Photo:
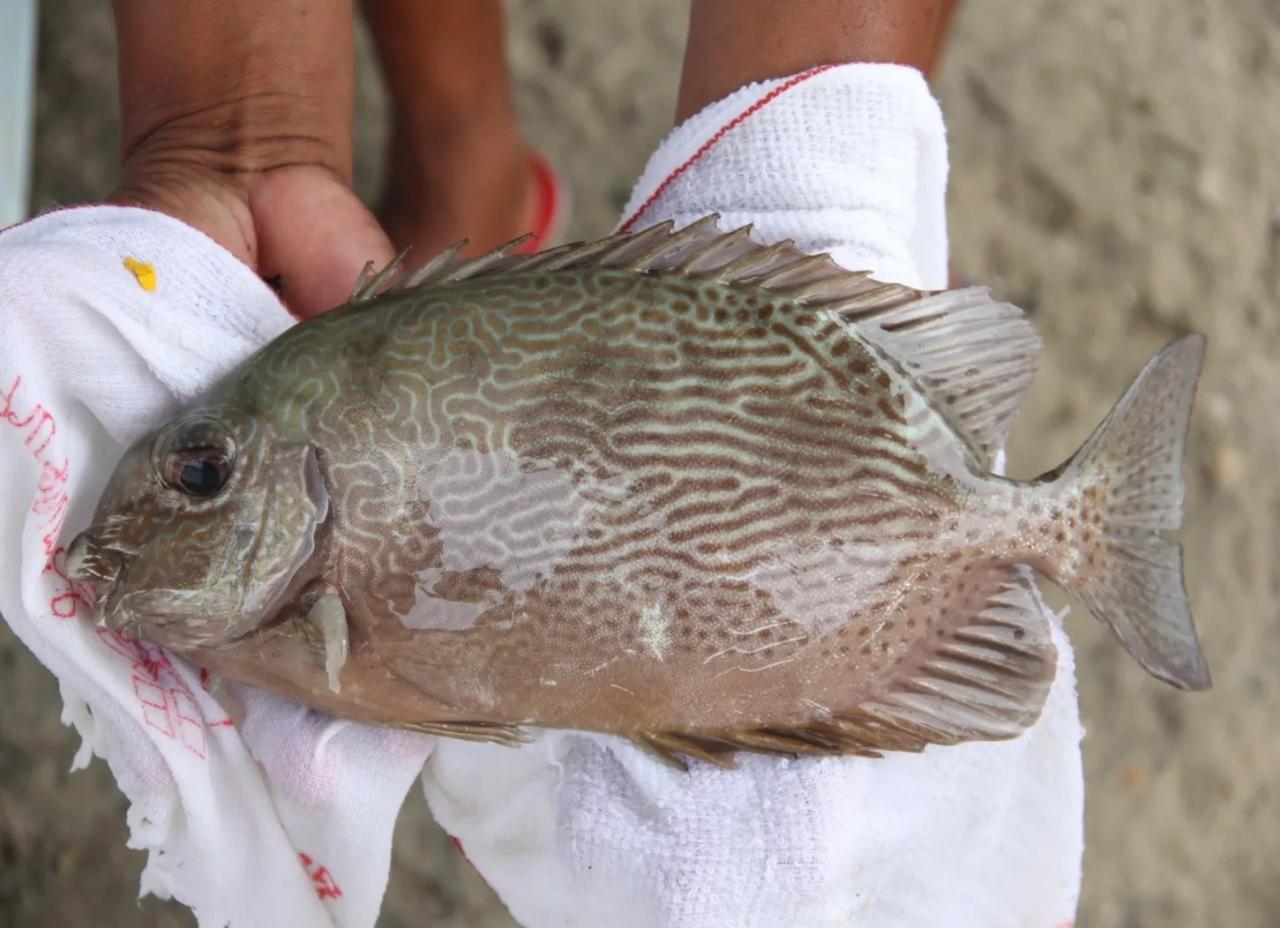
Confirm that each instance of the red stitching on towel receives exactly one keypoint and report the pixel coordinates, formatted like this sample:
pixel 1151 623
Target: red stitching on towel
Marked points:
pixel 326 888
pixel 721 133
pixel 463 852
pixel 72 594
pixel 39 428
pixel 165 703
pixel 204 685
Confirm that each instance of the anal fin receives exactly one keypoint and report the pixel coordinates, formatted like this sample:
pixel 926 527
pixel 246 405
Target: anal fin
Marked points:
pixel 986 681
pixel 507 735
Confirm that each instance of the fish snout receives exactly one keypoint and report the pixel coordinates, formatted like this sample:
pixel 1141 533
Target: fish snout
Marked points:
pixel 86 559
pixel 78 557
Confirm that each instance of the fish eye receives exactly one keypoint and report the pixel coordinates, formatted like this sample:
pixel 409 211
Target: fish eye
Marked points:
pixel 195 457
pixel 199 472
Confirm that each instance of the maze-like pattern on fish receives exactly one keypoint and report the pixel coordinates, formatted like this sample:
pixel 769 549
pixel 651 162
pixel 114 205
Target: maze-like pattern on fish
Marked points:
pixel 608 469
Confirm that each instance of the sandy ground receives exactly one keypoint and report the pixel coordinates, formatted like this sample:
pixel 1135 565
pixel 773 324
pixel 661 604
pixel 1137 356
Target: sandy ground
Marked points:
pixel 1113 172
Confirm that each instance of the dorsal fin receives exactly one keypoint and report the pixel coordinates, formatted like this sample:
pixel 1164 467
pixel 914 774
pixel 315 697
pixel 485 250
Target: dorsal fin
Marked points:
pixel 988 681
pixel 699 250
pixel 972 357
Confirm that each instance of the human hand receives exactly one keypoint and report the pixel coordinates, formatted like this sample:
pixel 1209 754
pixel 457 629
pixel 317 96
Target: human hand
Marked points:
pixel 236 119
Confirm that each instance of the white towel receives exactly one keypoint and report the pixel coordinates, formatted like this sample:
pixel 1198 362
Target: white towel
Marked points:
pixel 286 818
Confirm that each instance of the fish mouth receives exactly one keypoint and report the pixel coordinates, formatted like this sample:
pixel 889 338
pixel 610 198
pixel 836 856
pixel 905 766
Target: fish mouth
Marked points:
pixel 89 558
pixel 113 612
pixel 174 619
pixel 135 614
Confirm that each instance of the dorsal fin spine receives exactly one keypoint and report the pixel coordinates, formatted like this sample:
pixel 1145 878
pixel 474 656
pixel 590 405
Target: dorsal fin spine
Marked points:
pixel 696 262
pixel 740 268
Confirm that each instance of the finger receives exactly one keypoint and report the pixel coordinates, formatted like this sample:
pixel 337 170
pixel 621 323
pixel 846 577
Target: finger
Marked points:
pixel 314 236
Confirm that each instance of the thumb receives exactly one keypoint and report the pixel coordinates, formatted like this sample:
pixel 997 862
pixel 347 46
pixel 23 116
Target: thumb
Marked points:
pixel 314 235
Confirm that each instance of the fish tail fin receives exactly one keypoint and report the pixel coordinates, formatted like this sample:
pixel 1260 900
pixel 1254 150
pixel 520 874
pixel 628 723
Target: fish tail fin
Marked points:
pixel 1129 483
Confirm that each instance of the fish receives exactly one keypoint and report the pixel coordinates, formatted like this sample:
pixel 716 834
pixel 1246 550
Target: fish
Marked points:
pixel 675 485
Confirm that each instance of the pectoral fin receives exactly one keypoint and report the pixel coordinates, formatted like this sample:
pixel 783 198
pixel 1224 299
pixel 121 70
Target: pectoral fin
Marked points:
pixel 329 617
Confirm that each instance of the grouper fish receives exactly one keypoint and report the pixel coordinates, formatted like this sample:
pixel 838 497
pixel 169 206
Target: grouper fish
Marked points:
pixel 674 485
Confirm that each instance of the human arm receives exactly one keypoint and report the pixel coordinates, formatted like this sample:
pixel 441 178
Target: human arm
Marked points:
pixel 733 43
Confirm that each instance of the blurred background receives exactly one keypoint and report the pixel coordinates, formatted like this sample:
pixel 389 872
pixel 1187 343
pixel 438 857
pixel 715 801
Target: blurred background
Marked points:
pixel 1114 171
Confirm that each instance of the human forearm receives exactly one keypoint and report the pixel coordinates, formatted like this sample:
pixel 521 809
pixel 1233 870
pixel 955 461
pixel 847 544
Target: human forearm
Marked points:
pixel 236 86
pixel 735 42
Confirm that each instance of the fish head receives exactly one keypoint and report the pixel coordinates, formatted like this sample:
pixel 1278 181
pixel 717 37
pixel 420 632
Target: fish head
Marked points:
pixel 207 529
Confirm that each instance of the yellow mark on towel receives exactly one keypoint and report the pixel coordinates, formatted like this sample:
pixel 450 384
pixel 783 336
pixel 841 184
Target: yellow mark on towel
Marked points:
pixel 146 273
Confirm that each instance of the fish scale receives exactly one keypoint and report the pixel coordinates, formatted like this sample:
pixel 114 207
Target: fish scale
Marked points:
pixel 674 485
